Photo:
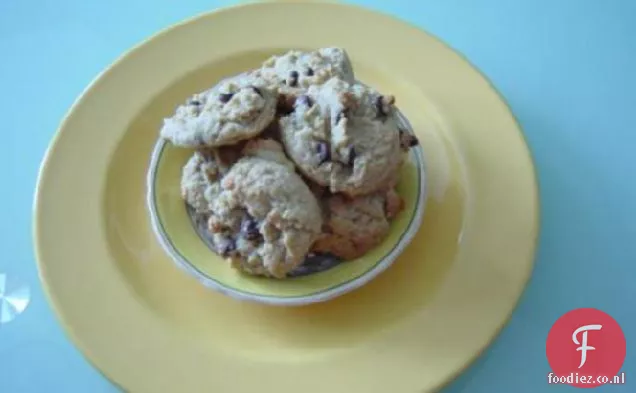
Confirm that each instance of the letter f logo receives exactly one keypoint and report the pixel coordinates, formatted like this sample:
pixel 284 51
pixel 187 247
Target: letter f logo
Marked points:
pixel 575 330
pixel 583 344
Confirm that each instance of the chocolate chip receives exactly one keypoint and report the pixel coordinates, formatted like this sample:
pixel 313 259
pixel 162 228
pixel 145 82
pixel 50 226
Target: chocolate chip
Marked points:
pixel 351 156
pixel 322 148
pixel 407 140
pixel 249 229
pixel 285 104
pixel 225 97
pixel 257 90
pixel 383 102
pixel 227 247
pixel 309 72
pixel 379 106
pixel 304 100
pixel 293 79
pixel 194 102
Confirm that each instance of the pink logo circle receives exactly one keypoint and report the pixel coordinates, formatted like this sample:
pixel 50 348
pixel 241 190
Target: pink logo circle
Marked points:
pixel 585 348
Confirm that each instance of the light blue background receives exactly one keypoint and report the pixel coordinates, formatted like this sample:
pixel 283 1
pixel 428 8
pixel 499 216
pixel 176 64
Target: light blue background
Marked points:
pixel 567 68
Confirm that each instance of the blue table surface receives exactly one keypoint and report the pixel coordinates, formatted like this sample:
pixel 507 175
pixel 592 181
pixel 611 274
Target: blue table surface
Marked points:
pixel 566 67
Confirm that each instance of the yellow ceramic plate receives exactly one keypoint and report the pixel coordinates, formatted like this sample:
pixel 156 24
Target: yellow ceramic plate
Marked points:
pixel 152 328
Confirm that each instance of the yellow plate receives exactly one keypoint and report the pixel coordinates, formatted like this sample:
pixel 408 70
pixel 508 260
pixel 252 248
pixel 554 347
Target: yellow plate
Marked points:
pixel 151 328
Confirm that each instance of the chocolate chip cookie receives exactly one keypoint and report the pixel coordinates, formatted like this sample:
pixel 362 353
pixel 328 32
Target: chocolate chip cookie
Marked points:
pixel 344 136
pixel 297 70
pixel 293 159
pixel 265 218
pixel 236 109
pixel 355 226
pixel 201 175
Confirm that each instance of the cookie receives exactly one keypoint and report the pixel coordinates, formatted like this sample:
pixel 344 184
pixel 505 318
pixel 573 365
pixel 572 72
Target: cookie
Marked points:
pixel 355 226
pixel 296 70
pixel 201 175
pixel 269 150
pixel 345 137
pixel 305 134
pixel 236 109
pixel 265 219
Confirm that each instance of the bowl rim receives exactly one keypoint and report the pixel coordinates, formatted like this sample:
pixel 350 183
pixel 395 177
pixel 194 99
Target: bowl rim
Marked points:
pixel 272 300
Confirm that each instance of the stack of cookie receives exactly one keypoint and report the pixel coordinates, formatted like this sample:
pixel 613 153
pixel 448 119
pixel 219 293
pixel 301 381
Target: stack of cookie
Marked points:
pixel 291 159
